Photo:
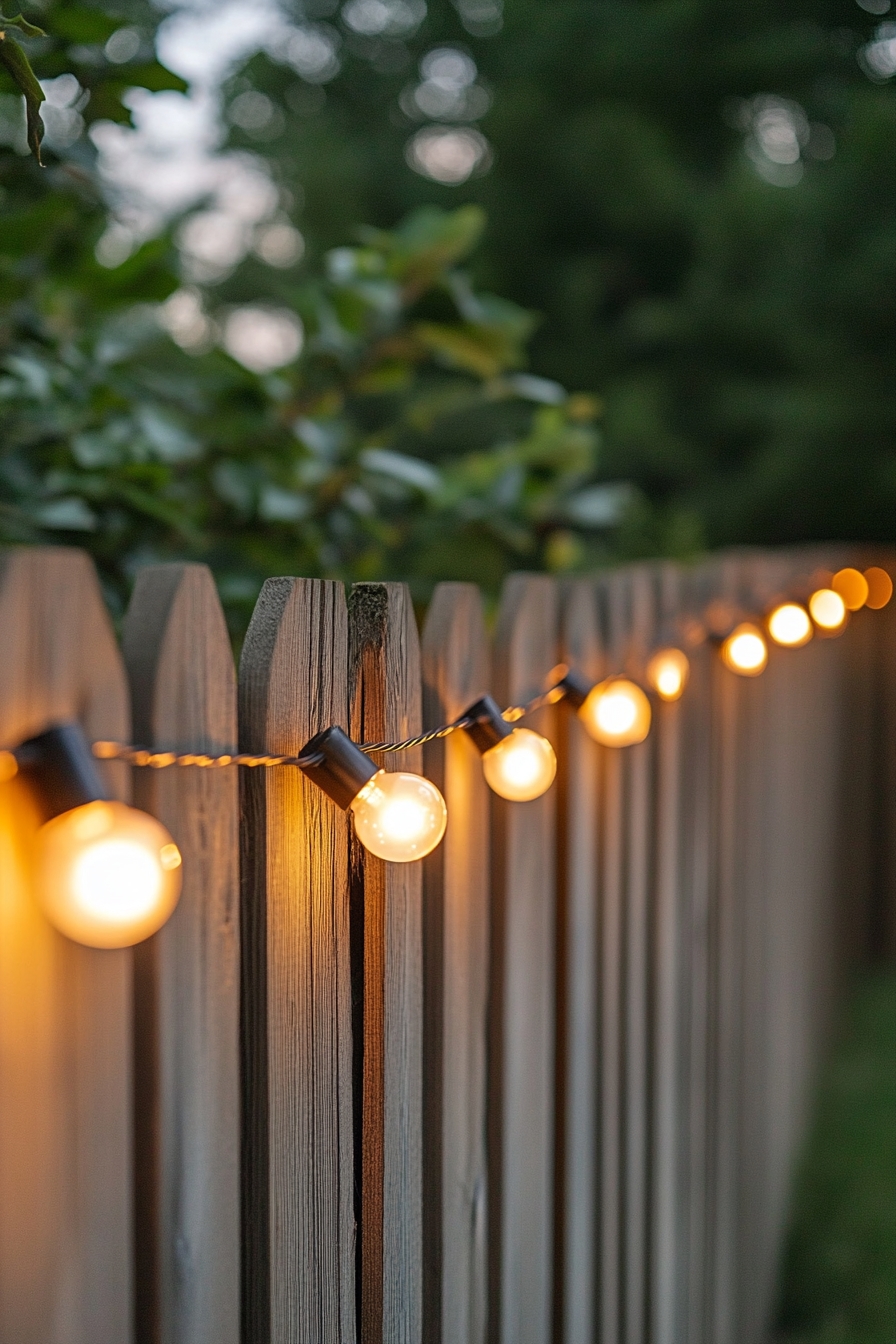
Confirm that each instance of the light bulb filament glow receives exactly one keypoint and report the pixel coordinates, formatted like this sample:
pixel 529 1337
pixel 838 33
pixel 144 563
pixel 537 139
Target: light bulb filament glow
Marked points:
pixel 399 817
pixel 107 875
pixel 617 713
pixel 667 673
pixel 789 625
pixel 828 609
pixel 521 766
pixel 745 651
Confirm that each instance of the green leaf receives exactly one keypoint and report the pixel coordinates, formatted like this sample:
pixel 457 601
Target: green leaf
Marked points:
pixel 25 28
pixel 484 351
pixel 19 67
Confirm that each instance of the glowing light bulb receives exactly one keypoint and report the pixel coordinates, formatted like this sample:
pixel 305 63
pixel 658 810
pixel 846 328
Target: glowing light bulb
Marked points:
pixel 667 673
pixel 399 817
pixel 852 587
pixel 828 610
pixel 745 651
pixel 106 875
pixel 616 713
pixel 521 766
pixel 789 625
pixel 880 587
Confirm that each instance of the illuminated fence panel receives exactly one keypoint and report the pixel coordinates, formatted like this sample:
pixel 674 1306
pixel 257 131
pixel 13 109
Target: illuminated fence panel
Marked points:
pixel 186 978
pixel 65 1010
pixel 547 1086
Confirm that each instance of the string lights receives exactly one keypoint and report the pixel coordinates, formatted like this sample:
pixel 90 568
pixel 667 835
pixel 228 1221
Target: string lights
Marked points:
pixel 828 611
pixel 518 764
pixel 108 875
pixel 789 625
pixel 745 650
pixel 667 673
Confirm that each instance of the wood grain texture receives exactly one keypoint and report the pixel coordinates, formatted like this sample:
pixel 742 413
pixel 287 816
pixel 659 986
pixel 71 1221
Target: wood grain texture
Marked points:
pixel 521 1105
pixel 670 1206
pixel 735 701
pixel 186 990
pixel 633 639
pixel 577 1226
pixel 455 985
pixel 386 704
pixel 65 1022
pixel 698 853
pixel 298 1225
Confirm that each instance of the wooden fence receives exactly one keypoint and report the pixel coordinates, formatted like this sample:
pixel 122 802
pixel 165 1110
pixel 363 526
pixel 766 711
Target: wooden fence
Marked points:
pixel 546 1086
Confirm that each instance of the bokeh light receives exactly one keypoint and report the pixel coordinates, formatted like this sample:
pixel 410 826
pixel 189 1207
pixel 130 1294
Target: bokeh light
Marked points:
pixel 617 713
pixel 789 625
pixel 745 651
pixel 880 587
pixel 520 767
pixel 667 673
pixel 828 610
pixel 852 587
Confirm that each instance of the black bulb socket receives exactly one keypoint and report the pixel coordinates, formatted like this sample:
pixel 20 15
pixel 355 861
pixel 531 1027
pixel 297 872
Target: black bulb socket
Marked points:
pixel 58 770
pixel 576 689
pixel 487 726
pixel 338 766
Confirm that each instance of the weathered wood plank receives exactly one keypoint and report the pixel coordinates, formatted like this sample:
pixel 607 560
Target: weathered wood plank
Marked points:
pixel 386 705
pixel 734 702
pixel 186 990
pixel 578 1120
pixel 670 1206
pixel 521 1110
pixel 297 1198
pixel 633 640
pixel 65 1021
pixel 699 860
pixel 611 862
pixel 455 987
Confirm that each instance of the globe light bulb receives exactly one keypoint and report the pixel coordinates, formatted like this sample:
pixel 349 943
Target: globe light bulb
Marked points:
pixel 828 610
pixel 789 625
pixel 852 587
pixel 106 875
pixel 667 673
pixel 616 713
pixel 521 766
pixel 745 651
pixel 880 587
pixel 399 817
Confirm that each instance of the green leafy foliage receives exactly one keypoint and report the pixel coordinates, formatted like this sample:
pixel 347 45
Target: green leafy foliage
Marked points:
pixel 403 441
pixel 839 1285
pixel 18 67
pixel 737 318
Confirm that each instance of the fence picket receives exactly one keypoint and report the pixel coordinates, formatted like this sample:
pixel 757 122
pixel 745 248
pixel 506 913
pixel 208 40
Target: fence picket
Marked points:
pixel 670 1206
pixel 548 1086
pixel 633 641
pixel 297 1164
pixel 186 978
pixel 455 993
pixel 386 910
pixel 65 1010
pixel 521 1112
pixel 578 985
